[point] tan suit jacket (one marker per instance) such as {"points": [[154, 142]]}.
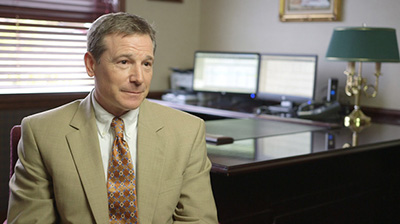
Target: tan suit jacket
{"points": [[59, 177]]}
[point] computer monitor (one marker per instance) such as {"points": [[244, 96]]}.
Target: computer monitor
{"points": [[287, 77], [226, 72]]}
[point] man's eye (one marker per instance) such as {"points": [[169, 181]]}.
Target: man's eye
{"points": [[124, 62], [147, 64]]}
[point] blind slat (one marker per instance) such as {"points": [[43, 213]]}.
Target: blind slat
{"points": [[28, 49]]}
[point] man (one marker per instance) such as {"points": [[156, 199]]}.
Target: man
{"points": [[65, 154]]}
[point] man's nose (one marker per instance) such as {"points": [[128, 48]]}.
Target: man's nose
{"points": [[136, 74]]}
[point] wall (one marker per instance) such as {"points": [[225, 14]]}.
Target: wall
{"points": [[177, 26], [253, 25]]}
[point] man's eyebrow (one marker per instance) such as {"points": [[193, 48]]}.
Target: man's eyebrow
{"points": [[148, 57], [124, 55]]}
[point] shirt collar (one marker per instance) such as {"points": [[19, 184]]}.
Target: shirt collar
{"points": [[104, 119]]}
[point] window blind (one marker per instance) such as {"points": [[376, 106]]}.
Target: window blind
{"points": [[43, 52]]}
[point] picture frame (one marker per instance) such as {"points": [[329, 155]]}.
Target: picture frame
{"points": [[310, 10]]}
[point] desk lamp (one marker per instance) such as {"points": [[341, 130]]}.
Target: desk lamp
{"points": [[362, 44]]}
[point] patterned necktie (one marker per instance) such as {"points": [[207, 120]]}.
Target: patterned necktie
{"points": [[121, 184]]}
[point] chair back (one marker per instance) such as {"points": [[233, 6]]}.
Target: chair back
{"points": [[15, 135]]}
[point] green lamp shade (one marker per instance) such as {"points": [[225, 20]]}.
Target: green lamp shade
{"points": [[363, 44]]}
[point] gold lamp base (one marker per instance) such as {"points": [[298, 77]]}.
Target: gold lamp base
{"points": [[357, 120]]}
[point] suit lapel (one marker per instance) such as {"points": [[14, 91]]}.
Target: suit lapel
{"points": [[85, 149], [150, 161]]}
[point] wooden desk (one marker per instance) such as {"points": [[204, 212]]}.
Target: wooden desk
{"points": [[306, 177], [300, 147]]}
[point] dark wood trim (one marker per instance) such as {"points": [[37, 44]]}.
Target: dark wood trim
{"points": [[50, 100], [381, 115], [155, 94], [122, 5], [45, 101], [37, 101]]}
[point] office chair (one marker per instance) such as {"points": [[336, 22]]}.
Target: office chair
{"points": [[15, 135]]}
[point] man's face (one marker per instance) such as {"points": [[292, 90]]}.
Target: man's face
{"points": [[123, 76]]}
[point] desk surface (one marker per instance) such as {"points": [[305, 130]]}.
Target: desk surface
{"points": [[236, 114], [309, 141], [275, 151], [251, 128]]}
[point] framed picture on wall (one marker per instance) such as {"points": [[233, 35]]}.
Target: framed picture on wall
{"points": [[309, 10]]}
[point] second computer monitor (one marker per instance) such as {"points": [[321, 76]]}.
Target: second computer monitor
{"points": [[285, 77], [226, 72]]}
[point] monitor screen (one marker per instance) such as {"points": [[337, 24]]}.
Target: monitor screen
{"points": [[226, 72], [287, 77]]}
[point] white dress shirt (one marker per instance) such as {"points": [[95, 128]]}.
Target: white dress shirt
{"points": [[107, 135]]}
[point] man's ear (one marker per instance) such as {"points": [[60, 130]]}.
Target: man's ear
{"points": [[90, 64]]}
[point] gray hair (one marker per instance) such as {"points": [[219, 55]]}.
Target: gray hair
{"points": [[116, 23]]}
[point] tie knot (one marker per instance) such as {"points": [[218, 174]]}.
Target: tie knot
{"points": [[118, 125]]}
